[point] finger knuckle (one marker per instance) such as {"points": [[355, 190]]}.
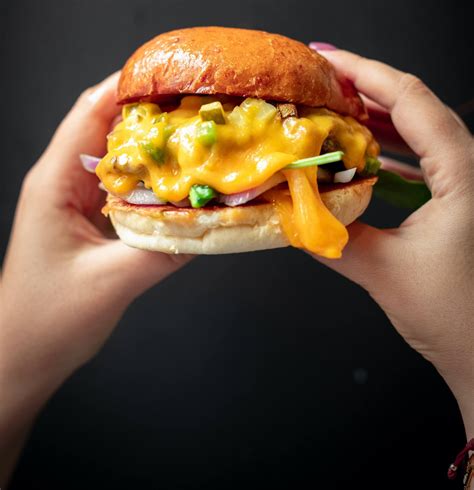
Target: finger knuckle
{"points": [[360, 62], [411, 84]]}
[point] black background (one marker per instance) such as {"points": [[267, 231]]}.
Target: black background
{"points": [[262, 369]]}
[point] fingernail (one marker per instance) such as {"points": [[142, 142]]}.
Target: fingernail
{"points": [[317, 46]]}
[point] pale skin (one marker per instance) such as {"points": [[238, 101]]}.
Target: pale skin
{"points": [[421, 273], [65, 285]]}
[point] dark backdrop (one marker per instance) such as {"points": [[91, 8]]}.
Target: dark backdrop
{"points": [[256, 369]]}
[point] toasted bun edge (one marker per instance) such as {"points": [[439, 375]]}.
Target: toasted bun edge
{"points": [[238, 62], [222, 230]]}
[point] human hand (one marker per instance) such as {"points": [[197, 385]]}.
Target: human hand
{"points": [[64, 284], [421, 274]]}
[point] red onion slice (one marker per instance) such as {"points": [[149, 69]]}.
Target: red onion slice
{"points": [[246, 196], [345, 176], [142, 196], [146, 197], [184, 203], [89, 162]]}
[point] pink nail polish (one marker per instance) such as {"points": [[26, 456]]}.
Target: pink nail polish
{"points": [[322, 46]]}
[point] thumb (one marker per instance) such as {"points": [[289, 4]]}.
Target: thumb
{"points": [[129, 272], [369, 259]]}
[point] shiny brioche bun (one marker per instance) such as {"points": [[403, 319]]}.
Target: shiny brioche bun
{"points": [[220, 230], [238, 62]]}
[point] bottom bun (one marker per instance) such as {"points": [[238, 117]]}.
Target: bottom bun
{"points": [[222, 230]]}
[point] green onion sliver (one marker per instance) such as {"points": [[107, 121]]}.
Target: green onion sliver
{"points": [[334, 156]]}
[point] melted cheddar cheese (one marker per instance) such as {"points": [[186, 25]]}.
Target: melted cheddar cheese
{"points": [[163, 150]]}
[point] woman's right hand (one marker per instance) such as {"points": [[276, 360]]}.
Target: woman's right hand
{"points": [[421, 273], [64, 283]]}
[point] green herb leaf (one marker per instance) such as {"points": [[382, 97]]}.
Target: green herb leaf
{"points": [[158, 154], [200, 195], [334, 156], [206, 133], [401, 192]]}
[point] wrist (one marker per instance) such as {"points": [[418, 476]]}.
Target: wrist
{"points": [[29, 375], [467, 413], [464, 395], [458, 374], [25, 390]]}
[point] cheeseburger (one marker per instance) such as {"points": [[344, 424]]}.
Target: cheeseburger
{"points": [[234, 140]]}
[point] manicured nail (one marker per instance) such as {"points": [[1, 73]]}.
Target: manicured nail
{"points": [[322, 46]]}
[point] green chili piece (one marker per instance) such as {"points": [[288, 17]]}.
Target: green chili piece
{"points": [[158, 154], [212, 112], [372, 166], [134, 110], [168, 131], [206, 133], [200, 195], [159, 118]]}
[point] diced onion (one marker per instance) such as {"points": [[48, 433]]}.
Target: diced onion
{"points": [[344, 176], [89, 162], [142, 196], [243, 197]]}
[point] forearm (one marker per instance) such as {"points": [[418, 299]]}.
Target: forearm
{"points": [[10, 453], [461, 383], [21, 401], [464, 393], [467, 412], [468, 419], [28, 378]]}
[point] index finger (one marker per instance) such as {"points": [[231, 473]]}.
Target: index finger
{"points": [[422, 120]]}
